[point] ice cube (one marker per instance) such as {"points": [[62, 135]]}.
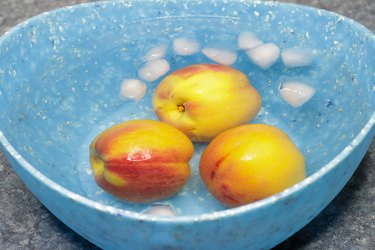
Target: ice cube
{"points": [[221, 56], [133, 89], [157, 52], [264, 55], [153, 70], [293, 57], [248, 40], [185, 46], [161, 210], [296, 93]]}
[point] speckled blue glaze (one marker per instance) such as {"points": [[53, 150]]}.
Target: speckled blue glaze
{"points": [[60, 75]]}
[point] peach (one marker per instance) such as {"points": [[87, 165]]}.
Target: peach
{"points": [[141, 160], [249, 163], [203, 100]]}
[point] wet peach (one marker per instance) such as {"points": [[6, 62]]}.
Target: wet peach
{"points": [[203, 100], [141, 160], [249, 163]]}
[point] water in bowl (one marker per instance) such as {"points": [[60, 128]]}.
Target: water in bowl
{"points": [[193, 198]]}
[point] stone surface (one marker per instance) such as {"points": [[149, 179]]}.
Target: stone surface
{"points": [[347, 223]]}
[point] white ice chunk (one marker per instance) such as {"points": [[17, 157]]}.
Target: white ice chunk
{"points": [[296, 93], [248, 40], [161, 210], [224, 57], [133, 89], [153, 70], [264, 55], [185, 46], [294, 57], [156, 52]]}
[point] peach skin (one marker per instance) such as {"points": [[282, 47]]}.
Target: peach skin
{"points": [[141, 160], [249, 163], [203, 100]]}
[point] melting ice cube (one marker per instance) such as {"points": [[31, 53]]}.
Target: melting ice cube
{"points": [[224, 57], [247, 40], [264, 55], [294, 57], [185, 46], [161, 210], [156, 52], [296, 93], [133, 89], [153, 70]]}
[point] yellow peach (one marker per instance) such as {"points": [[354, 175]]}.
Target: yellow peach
{"points": [[249, 163], [141, 160], [203, 100]]}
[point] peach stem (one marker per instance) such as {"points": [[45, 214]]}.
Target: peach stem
{"points": [[181, 107]]}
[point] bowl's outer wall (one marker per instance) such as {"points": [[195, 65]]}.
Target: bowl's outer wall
{"points": [[259, 228]]}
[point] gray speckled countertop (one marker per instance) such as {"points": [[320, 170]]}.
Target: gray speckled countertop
{"points": [[347, 223]]}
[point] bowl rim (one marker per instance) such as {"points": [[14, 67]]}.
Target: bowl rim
{"points": [[211, 216]]}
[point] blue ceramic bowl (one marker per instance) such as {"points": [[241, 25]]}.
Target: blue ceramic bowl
{"points": [[60, 78]]}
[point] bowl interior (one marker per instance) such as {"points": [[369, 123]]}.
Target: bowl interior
{"points": [[61, 72]]}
